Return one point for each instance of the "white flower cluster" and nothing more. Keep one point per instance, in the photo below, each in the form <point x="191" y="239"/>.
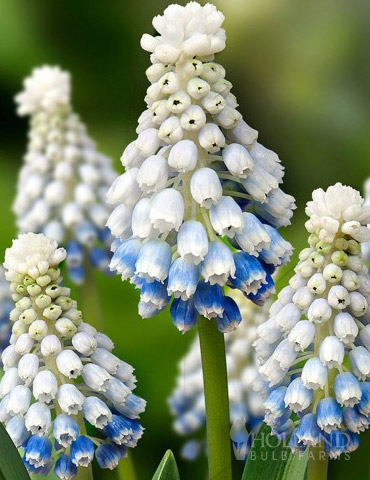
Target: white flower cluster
<point x="194" y="174"/>
<point x="63" y="182"/>
<point x="6" y="305"/>
<point x="314" y="350"/>
<point x="366" y="245"/>
<point x="187" y="402"/>
<point x="60" y="372"/>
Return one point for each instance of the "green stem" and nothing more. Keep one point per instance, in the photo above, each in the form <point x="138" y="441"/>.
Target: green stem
<point x="212" y="346"/>
<point x="317" y="467"/>
<point x="125" y="469"/>
<point x="89" y="298"/>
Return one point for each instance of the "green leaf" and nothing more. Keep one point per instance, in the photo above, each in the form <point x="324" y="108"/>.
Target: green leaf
<point x="11" y="465"/>
<point x="167" y="469"/>
<point x="270" y="459"/>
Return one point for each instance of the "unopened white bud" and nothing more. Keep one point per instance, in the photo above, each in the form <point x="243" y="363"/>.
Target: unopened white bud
<point x="183" y="156"/>
<point x="69" y="364"/>
<point x="45" y="386"/>
<point x="358" y="304"/>
<point x="193" y="118"/>
<point x="331" y="352"/>
<point x="152" y="175"/>
<point x="213" y="102"/>
<point x="50" y="346"/>
<point x="319" y="311"/>
<point x="238" y="160"/>
<point x="84" y="343"/>
<point x="178" y="102"/>
<point x="24" y="344"/>
<point x="211" y="138"/>
<point x="148" y="142"/>
<point x="65" y="327"/>
<point x="228" y="117"/>
<point x="205" y="187"/>
<point x="317" y="284"/>
<point x="170" y="131"/>
<point x="338" y="297"/>
<point x="28" y="367"/>
<point x="303" y="298"/>
<point x="302" y="334"/>
<point x="167" y="210"/>
<point x="345" y="327"/>
<point x="38" y="330"/>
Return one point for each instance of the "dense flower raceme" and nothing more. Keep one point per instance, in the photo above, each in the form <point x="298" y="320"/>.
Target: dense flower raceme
<point x="196" y="175"/>
<point x="314" y="350"/>
<point x="60" y="373"/>
<point x="366" y="245"/>
<point x="6" y="305"/>
<point x="64" y="179"/>
<point x="246" y="405"/>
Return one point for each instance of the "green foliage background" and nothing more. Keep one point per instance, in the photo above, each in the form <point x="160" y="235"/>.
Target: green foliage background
<point x="301" y="73"/>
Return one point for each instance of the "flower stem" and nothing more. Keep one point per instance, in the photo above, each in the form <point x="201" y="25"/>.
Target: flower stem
<point x="317" y="467"/>
<point x="212" y="346"/>
<point x="89" y="298"/>
<point x="125" y="469"/>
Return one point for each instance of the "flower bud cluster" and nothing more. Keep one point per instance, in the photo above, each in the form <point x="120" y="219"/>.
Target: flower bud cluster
<point x="187" y="402"/>
<point x="314" y="350"/>
<point x="196" y="175"/>
<point x="64" y="179"/>
<point x="6" y="305"/>
<point x="60" y="373"/>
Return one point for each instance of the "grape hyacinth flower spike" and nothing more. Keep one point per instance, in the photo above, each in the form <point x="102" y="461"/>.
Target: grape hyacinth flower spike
<point x="196" y="175"/>
<point x="246" y="387"/>
<point x="60" y="373"/>
<point x="63" y="182"/>
<point x="6" y="305"/>
<point x="314" y="350"/>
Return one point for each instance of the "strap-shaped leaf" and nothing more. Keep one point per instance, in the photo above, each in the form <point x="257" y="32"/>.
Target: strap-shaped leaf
<point x="11" y="465"/>
<point x="167" y="469"/>
<point x="270" y="459"/>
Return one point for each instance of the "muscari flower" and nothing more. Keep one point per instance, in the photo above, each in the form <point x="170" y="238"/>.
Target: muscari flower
<point x="199" y="204"/>
<point x="6" y="305"/>
<point x="246" y="387"/>
<point x="314" y="350"/>
<point x="64" y="179"/>
<point x="60" y="373"/>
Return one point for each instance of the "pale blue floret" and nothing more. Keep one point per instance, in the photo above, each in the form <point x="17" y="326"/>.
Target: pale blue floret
<point x="17" y="431"/>
<point x="364" y="404"/>
<point x="189" y="422"/>
<point x="354" y="420"/>
<point x="308" y="432"/>
<point x="154" y="260"/>
<point x="125" y="256"/>
<point x="182" y="279"/>
<point x="133" y="406"/>
<point x="209" y="300"/>
<point x="335" y="443"/>
<point x="274" y="404"/>
<point x="294" y="444"/>
<point x="329" y="414"/>
<point x="155" y="293"/>
<point x="38" y="451"/>
<point x="231" y="316"/>
<point x="108" y="455"/>
<point x="264" y="292"/>
<point x="65" y="430"/>
<point x="82" y="451"/>
<point x="353" y="441"/>
<point x="190" y="450"/>
<point x="124" y="431"/>
<point x="85" y="233"/>
<point x="65" y="468"/>
<point x="279" y="250"/>
<point x="249" y="274"/>
<point x="74" y="254"/>
<point x="77" y="274"/>
<point x="99" y="258"/>
<point x="184" y="314"/>
<point x="346" y="386"/>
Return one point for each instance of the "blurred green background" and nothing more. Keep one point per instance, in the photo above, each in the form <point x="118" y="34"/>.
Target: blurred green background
<point x="301" y="73"/>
